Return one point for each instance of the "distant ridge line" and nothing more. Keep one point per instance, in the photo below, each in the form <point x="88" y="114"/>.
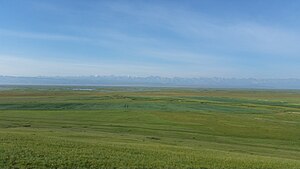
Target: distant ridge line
<point x="155" y="81"/>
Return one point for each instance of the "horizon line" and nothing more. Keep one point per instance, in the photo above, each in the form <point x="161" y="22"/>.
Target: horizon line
<point x="134" y="76"/>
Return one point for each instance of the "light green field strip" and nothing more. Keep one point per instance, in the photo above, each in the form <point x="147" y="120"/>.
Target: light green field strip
<point x="149" y="128"/>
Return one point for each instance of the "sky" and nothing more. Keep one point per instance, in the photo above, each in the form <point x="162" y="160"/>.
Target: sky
<point x="169" y="38"/>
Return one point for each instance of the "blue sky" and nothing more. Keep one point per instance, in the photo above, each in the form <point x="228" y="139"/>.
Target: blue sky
<point x="200" y="38"/>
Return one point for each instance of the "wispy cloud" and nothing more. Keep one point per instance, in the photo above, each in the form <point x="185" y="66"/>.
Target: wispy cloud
<point x="23" y="66"/>
<point x="197" y="27"/>
<point x="41" y="36"/>
<point x="163" y="38"/>
<point x="192" y="27"/>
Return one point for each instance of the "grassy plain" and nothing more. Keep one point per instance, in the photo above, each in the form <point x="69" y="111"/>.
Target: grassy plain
<point x="115" y="127"/>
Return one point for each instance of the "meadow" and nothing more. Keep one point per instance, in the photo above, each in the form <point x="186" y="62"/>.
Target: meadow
<point x="139" y="127"/>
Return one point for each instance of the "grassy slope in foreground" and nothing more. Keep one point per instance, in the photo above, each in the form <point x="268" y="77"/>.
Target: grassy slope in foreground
<point x="149" y="128"/>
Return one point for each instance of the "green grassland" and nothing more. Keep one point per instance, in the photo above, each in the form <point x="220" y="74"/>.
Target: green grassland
<point x="118" y="127"/>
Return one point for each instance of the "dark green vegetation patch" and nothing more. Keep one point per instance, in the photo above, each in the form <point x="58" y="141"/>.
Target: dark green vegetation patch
<point x="58" y="127"/>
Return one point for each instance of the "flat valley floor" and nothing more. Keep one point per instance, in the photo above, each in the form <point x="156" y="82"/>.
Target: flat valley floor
<point x="131" y="127"/>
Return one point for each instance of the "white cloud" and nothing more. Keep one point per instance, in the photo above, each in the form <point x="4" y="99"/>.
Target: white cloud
<point x="20" y="66"/>
<point x="200" y="42"/>
<point x="42" y="36"/>
<point x="232" y="36"/>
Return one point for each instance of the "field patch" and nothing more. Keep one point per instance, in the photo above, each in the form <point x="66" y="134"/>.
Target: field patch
<point x="59" y="127"/>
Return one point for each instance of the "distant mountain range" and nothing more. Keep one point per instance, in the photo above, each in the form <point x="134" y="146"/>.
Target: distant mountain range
<point x="154" y="81"/>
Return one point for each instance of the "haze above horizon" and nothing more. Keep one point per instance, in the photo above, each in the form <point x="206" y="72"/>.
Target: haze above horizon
<point x="206" y="38"/>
